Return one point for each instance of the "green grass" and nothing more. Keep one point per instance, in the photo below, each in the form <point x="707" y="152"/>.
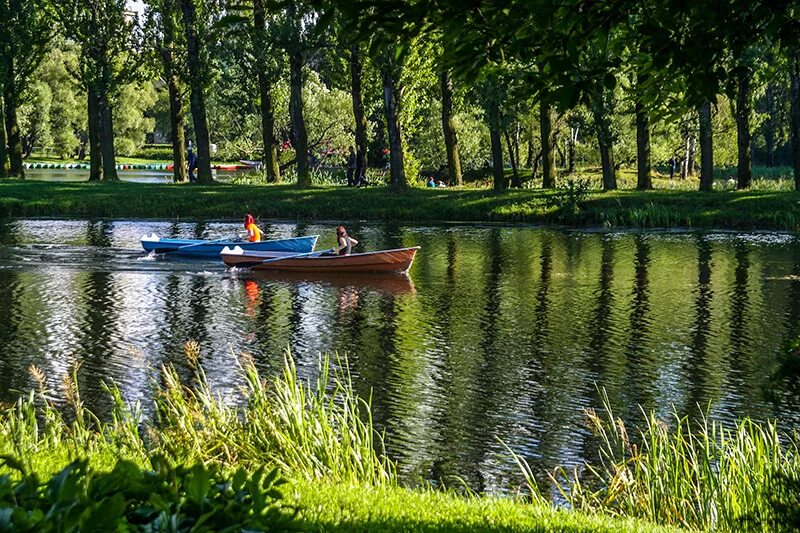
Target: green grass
<point x="754" y="209"/>
<point x="319" y="435"/>
<point x="697" y="474"/>
<point x="339" y="508"/>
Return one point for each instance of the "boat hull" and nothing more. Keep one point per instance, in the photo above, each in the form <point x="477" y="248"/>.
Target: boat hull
<point x="212" y="250"/>
<point x="399" y="260"/>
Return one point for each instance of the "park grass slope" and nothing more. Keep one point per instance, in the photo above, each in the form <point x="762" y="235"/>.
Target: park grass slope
<point x="741" y="210"/>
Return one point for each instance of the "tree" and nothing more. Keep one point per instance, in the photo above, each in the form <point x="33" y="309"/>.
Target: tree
<point x="265" y="69"/>
<point x="169" y="47"/>
<point x="356" y="75"/>
<point x="107" y="35"/>
<point x="196" y="18"/>
<point x="449" y="128"/>
<point x="390" y="74"/>
<point x="548" y="145"/>
<point x="706" y="148"/>
<point x="4" y="169"/>
<point x="24" y="39"/>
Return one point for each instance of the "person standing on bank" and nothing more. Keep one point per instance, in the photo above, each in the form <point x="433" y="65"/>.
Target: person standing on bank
<point x="351" y="167"/>
<point x="361" y="164"/>
<point x="191" y="160"/>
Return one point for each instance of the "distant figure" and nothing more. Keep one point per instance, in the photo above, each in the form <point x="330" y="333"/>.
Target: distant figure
<point x="673" y="166"/>
<point x="360" y="177"/>
<point x="253" y="231"/>
<point x="431" y="183"/>
<point x="352" y="167"/>
<point x="440" y="184"/>
<point x="344" y="243"/>
<point x="191" y="159"/>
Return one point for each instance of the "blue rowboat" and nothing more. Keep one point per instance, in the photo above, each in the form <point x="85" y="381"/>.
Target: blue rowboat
<point x="212" y="249"/>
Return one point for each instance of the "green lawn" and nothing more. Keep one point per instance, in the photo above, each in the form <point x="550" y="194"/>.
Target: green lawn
<point x="337" y="508"/>
<point x="755" y="209"/>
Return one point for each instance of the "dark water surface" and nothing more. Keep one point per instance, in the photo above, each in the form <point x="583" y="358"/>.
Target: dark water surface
<point x="498" y="332"/>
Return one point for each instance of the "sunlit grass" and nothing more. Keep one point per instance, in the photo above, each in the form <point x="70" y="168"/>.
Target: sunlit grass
<point x="695" y="474"/>
<point x="320" y="430"/>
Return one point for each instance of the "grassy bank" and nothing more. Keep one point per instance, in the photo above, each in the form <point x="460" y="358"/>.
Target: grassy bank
<point x="70" y="467"/>
<point x="757" y="209"/>
<point x="199" y="455"/>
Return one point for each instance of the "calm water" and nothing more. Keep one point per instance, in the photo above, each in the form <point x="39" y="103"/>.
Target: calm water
<point x="498" y="332"/>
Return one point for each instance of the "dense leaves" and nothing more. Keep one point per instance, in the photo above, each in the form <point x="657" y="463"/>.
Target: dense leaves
<point x="162" y="498"/>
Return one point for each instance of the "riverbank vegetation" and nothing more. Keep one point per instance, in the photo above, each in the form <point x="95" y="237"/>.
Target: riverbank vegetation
<point x="285" y="454"/>
<point x="306" y="456"/>
<point x="572" y="205"/>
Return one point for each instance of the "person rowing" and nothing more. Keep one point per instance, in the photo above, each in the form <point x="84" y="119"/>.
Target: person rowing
<point x="253" y="231"/>
<point x="344" y="243"/>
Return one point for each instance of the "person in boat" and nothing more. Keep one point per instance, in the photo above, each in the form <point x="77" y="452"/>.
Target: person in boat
<point x="253" y="231"/>
<point x="344" y="243"/>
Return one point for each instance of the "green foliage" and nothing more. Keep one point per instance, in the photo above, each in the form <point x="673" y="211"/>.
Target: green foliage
<point x="312" y="431"/>
<point x="165" y="497"/>
<point x="696" y="474"/>
<point x="130" y="121"/>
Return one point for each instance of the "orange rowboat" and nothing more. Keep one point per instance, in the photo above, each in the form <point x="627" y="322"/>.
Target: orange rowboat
<point x="383" y="261"/>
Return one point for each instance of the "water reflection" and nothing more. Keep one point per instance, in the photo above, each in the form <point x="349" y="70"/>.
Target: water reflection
<point x="497" y="333"/>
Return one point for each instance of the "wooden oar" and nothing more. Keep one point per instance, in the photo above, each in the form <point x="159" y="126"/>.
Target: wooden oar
<point x="295" y="256"/>
<point x="187" y="246"/>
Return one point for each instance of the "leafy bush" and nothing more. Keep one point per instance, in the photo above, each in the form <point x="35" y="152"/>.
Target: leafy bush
<point x="164" y="498"/>
<point x="158" y="152"/>
<point x="571" y="197"/>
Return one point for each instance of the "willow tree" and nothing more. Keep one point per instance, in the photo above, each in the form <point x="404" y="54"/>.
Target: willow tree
<point x="27" y="28"/>
<point x="108" y="37"/>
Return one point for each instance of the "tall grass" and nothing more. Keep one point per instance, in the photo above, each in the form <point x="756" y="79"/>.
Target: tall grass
<point x="319" y="430"/>
<point x="698" y="475"/>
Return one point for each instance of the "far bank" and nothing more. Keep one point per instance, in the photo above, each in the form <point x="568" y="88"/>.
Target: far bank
<point x="739" y="210"/>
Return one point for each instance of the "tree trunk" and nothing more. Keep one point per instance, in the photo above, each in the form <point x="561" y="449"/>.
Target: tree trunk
<point x="358" y="104"/>
<point x="449" y="127"/>
<point x="607" y="163"/>
<point x="497" y="149"/>
<point x="769" y="126"/>
<point x="643" y="175"/>
<point x="270" y="154"/>
<point x="605" y="140"/>
<point x="744" y="170"/>
<point x="4" y="169"/>
<point x="269" y="157"/>
<point x="515" y="181"/>
<point x="95" y="147"/>
<point x="177" y="121"/>
<point x="573" y="140"/>
<point x="107" y="138"/>
<point x="391" y="106"/>
<point x="691" y="167"/>
<point x="529" y="155"/>
<point x="548" y="148"/>
<point x="795" y="112"/>
<point x="706" y="148"/>
<point x="10" y="98"/>
<point x="197" y="78"/>
<point x="686" y="155"/>
<point x="180" y="173"/>
<point x="299" y="134"/>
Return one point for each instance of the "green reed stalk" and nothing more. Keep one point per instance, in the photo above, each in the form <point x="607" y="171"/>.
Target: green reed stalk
<point x="699" y="475"/>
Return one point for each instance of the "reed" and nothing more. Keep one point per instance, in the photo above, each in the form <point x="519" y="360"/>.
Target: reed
<point x="697" y="475"/>
<point x="319" y="430"/>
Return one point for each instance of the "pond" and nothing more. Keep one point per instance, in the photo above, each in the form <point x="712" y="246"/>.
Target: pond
<point x="497" y="333"/>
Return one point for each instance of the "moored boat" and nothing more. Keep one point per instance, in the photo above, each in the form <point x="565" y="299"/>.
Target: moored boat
<point x="398" y="260"/>
<point x="212" y="249"/>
